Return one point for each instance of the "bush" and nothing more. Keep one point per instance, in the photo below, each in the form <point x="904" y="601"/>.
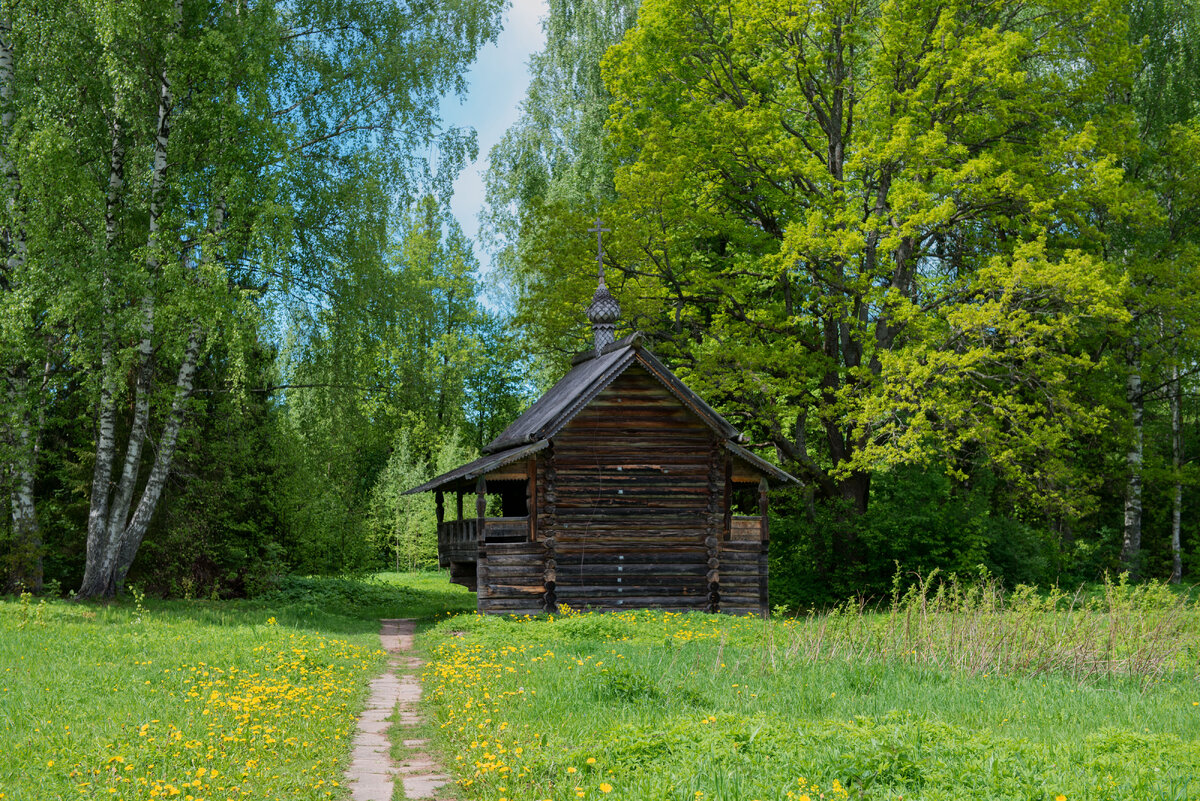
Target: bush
<point x="918" y="522"/>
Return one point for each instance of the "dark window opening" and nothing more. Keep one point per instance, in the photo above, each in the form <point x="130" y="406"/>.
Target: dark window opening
<point x="510" y="498"/>
<point x="745" y="499"/>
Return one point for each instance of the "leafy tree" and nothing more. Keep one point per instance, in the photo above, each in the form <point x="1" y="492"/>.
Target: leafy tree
<point x="405" y="525"/>
<point x="217" y="158"/>
<point x="551" y="170"/>
<point x="875" y="224"/>
<point x="402" y="362"/>
<point x="218" y="531"/>
<point x="1161" y="254"/>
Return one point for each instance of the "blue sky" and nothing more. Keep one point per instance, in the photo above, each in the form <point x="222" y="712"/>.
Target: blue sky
<point x="497" y="83"/>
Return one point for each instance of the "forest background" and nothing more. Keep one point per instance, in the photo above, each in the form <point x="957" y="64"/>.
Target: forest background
<point x="939" y="258"/>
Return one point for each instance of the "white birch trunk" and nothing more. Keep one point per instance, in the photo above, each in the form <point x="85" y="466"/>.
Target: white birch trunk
<point x="23" y="433"/>
<point x="133" y="534"/>
<point x="119" y="513"/>
<point x="1177" y="464"/>
<point x="106" y="411"/>
<point x="102" y="567"/>
<point x="1132" y="544"/>
<point x="27" y="566"/>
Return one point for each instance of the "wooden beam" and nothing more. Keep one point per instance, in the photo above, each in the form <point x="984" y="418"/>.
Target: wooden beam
<point x="717" y="515"/>
<point x="762" y="510"/>
<point x="441" y="507"/>
<point x="509" y="473"/>
<point x="728" y="524"/>
<point x="531" y="496"/>
<point x="480" y="551"/>
<point x="460" y="508"/>
<point x="548" y="495"/>
<point x="764" y="601"/>
<point x="480" y="506"/>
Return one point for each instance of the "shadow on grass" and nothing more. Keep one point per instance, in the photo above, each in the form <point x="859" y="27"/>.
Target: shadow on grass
<point x="331" y="604"/>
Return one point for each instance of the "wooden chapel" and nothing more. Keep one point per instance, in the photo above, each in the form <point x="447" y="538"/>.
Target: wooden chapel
<point x="619" y="488"/>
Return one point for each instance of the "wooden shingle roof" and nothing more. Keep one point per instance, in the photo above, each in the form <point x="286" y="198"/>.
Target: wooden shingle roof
<point x="585" y="381"/>
<point x="592" y="373"/>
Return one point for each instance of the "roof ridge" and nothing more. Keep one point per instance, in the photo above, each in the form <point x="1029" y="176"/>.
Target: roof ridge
<point x="628" y="340"/>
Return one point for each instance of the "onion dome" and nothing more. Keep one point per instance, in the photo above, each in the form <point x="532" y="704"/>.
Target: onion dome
<point x="604" y="308"/>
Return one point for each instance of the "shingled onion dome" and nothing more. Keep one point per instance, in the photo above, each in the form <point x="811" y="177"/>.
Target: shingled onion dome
<point x="603" y="314"/>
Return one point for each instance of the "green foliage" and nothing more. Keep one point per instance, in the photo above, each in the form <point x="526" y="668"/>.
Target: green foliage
<point x="919" y="521"/>
<point x="887" y="238"/>
<point x="219" y="531"/>
<point x="381" y="389"/>
<point x="367" y="598"/>
<point x="220" y="167"/>
<point x="406" y="525"/>
<point x="551" y="170"/>
<point x="878" y="264"/>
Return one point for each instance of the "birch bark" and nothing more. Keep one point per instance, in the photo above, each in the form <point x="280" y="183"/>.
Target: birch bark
<point x="113" y="537"/>
<point x="1177" y="464"/>
<point x="1132" y="544"/>
<point x="106" y="446"/>
<point x="22" y="433"/>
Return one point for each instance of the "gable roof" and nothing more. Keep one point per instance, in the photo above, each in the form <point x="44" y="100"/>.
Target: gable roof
<point x="590" y="374"/>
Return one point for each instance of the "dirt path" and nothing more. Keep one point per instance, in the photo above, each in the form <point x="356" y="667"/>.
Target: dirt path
<point x="371" y="771"/>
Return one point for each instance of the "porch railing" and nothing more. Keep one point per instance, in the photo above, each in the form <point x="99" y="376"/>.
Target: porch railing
<point x="458" y="540"/>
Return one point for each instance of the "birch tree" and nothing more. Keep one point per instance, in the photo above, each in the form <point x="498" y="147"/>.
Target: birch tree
<point x="31" y="295"/>
<point x="1161" y="253"/>
<point x="211" y="163"/>
<point x="17" y="429"/>
<point x="177" y="271"/>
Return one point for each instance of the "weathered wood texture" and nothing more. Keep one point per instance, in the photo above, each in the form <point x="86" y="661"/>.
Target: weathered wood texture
<point x="746" y="529"/>
<point x="629" y="508"/>
<point x="510" y="579"/>
<point x="633" y="500"/>
<point x="458" y="540"/>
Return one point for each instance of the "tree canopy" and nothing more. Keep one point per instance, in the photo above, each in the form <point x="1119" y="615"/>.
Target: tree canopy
<point x="939" y="259"/>
<point x="890" y="239"/>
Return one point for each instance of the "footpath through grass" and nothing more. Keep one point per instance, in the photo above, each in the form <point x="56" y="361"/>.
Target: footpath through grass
<point x="194" y="699"/>
<point x="958" y="694"/>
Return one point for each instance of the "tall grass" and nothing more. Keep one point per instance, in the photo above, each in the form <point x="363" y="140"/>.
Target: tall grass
<point x="1143" y="630"/>
<point x="950" y="690"/>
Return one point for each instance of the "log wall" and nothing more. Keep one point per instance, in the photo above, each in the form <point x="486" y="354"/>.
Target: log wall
<point x="630" y="509"/>
<point x="510" y="578"/>
<point x="635" y="475"/>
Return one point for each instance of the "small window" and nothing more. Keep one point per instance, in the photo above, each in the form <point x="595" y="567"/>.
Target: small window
<point x="507" y="498"/>
<point x="745" y="499"/>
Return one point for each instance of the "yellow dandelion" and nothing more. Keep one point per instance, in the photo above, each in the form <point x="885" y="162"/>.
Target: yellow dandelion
<point x="605" y="787"/>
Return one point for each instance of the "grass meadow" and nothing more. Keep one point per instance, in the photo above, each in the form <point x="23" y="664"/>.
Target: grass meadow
<point x="952" y="693"/>
<point x="196" y="699"/>
<point x="949" y="692"/>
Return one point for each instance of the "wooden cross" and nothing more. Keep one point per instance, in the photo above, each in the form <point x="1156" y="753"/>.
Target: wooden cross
<point x="599" y="231"/>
